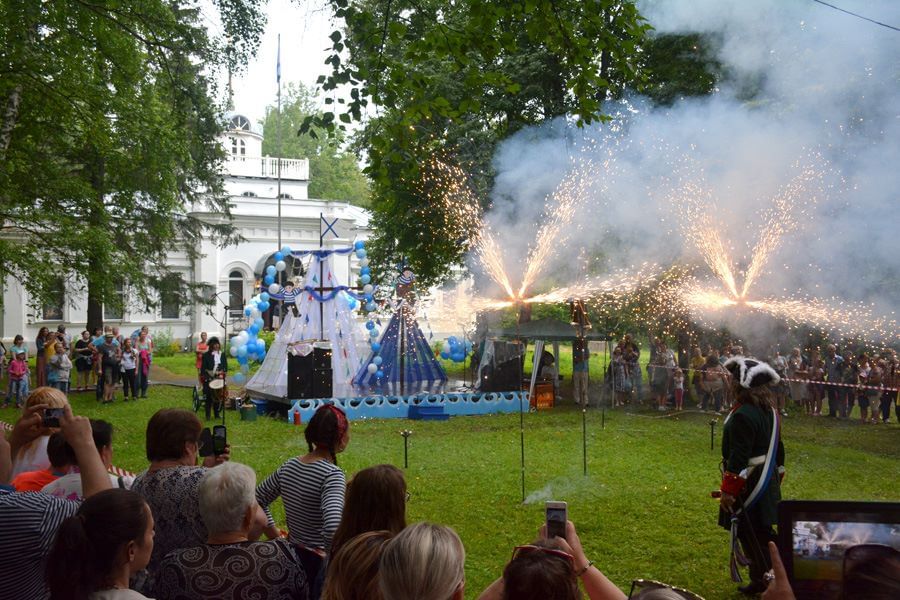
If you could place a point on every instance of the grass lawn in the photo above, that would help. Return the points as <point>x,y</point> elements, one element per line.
<point>643,510</point>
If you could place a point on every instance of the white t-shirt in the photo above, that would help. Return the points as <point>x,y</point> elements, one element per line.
<point>128,360</point>
<point>32,458</point>
<point>68,487</point>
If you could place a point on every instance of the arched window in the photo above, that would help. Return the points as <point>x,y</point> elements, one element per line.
<point>234,147</point>
<point>235,293</point>
<point>249,194</point>
<point>243,148</point>
<point>240,123</point>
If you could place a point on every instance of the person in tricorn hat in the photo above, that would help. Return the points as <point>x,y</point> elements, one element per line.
<point>752,469</point>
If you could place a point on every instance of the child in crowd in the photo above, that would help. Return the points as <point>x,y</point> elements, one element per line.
<point>18,380</point>
<point>678,383</point>
<point>60,368</point>
<point>815,389</point>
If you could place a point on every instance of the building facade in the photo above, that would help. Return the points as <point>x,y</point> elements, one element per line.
<point>231,274</point>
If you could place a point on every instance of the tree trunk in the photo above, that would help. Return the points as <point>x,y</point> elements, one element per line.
<point>10,117</point>
<point>95,272</point>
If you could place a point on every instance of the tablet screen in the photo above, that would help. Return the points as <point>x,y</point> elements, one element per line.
<point>820,533</point>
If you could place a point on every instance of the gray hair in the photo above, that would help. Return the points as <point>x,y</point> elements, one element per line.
<point>226,492</point>
<point>423,562</point>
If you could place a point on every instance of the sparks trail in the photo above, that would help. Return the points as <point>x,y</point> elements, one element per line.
<point>789,210</point>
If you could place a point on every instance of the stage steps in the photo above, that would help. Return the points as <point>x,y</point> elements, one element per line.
<point>421,412</point>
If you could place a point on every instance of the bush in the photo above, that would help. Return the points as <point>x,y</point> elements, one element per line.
<point>268,337</point>
<point>163,344</point>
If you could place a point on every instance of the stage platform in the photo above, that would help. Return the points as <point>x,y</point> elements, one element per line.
<point>387,403</point>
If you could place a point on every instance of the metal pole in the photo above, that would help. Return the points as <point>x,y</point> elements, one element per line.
<point>520,360</point>
<point>402,356</point>
<point>321,282</point>
<point>221,349</point>
<point>712,435</point>
<point>278,142</point>
<point>584,437</point>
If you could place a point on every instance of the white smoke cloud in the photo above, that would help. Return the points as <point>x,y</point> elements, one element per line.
<point>829,87</point>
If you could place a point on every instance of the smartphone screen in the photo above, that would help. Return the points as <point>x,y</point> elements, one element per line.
<point>52,416</point>
<point>206,442</point>
<point>219,441</point>
<point>557,515</point>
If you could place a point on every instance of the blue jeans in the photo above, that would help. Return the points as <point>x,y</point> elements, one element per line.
<point>143,380</point>
<point>62,386</point>
<point>17,391</point>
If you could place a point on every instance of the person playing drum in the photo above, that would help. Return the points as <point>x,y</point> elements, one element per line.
<point>213,372</point>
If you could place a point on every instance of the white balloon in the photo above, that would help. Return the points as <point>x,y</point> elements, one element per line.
<point>372,368</point>
<point>274,288</point>
<point>367,289</point>
<point>254,314</point>
<point>280,266</point>
<point>243,337</point>
<point>233,350</point>
<point>364,262</point>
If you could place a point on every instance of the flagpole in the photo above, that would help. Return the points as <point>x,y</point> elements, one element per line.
<point>278,136</point>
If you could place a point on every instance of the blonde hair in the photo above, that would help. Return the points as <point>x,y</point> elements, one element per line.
<point>52,397</point>
<point>353,570</point>
<point>423,562</point>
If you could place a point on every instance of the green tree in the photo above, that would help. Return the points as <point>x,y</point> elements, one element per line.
<point>110,140</point>
<point>453,80</point>
<point>334,172</point>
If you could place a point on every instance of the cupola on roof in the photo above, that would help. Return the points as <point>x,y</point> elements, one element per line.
<point>240,123</point>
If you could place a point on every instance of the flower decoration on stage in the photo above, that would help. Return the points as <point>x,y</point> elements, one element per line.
<point>455,349</point>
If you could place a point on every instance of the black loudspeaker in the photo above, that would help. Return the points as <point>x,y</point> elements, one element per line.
<point>321,358</point>
<point>322,383</point>
<point>300,376</point>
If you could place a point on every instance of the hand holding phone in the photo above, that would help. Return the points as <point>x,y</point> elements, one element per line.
<point>219,440</point>
<point>557,515</point>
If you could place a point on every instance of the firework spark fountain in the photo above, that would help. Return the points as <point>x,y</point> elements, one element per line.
<point>789,209</point>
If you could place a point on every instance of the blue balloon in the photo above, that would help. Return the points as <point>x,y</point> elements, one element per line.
<point>379,373</point>
<point>377,360</point>
<point>351,303</point>
<point>373,332</point>
<point>271,270</point>
<point>365,279</point>
<point>286,250</point>
<point>359,245</point>
<point>263,306</point>
<point>260,346</point>
<point>278,256</point>
<point>458,357</point>
<point>251,356</point>
<point>248,311</point>
<point>445,355</point>
<point>239,377</point>
<point>376,347</point>
<point>365,271</point>
<point>452,339</point>
<point>371,306</point>
<point>370,325</point>
<point>269,280</point>
<point>242,359</point>
<point>262,355</point>
<point>242,352</point>
<point>360,253</point>
<point>264,297</point>
<point>367,297</point>
<point>253,329</point>
<point>259,322</point>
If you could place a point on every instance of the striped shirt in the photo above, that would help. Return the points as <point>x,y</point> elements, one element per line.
<point>28,525</point>
<point>313,496</point>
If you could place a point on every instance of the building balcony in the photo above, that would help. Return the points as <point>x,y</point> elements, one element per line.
<point>267,166</point>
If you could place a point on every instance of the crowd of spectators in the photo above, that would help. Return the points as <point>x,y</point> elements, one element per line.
<point>812,380</point>
<point>189,530</point>
<point>103,362</point>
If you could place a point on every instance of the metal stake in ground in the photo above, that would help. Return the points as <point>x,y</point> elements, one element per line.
<point>712,434</point>
<point>406,433</point>
<point>584,437</point>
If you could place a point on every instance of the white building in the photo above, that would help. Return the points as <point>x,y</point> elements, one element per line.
<point>232,274</point>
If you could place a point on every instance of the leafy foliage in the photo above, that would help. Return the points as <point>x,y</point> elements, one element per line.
<point>113,142</point>
<point>334,172</point>
<point>452,79</point>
